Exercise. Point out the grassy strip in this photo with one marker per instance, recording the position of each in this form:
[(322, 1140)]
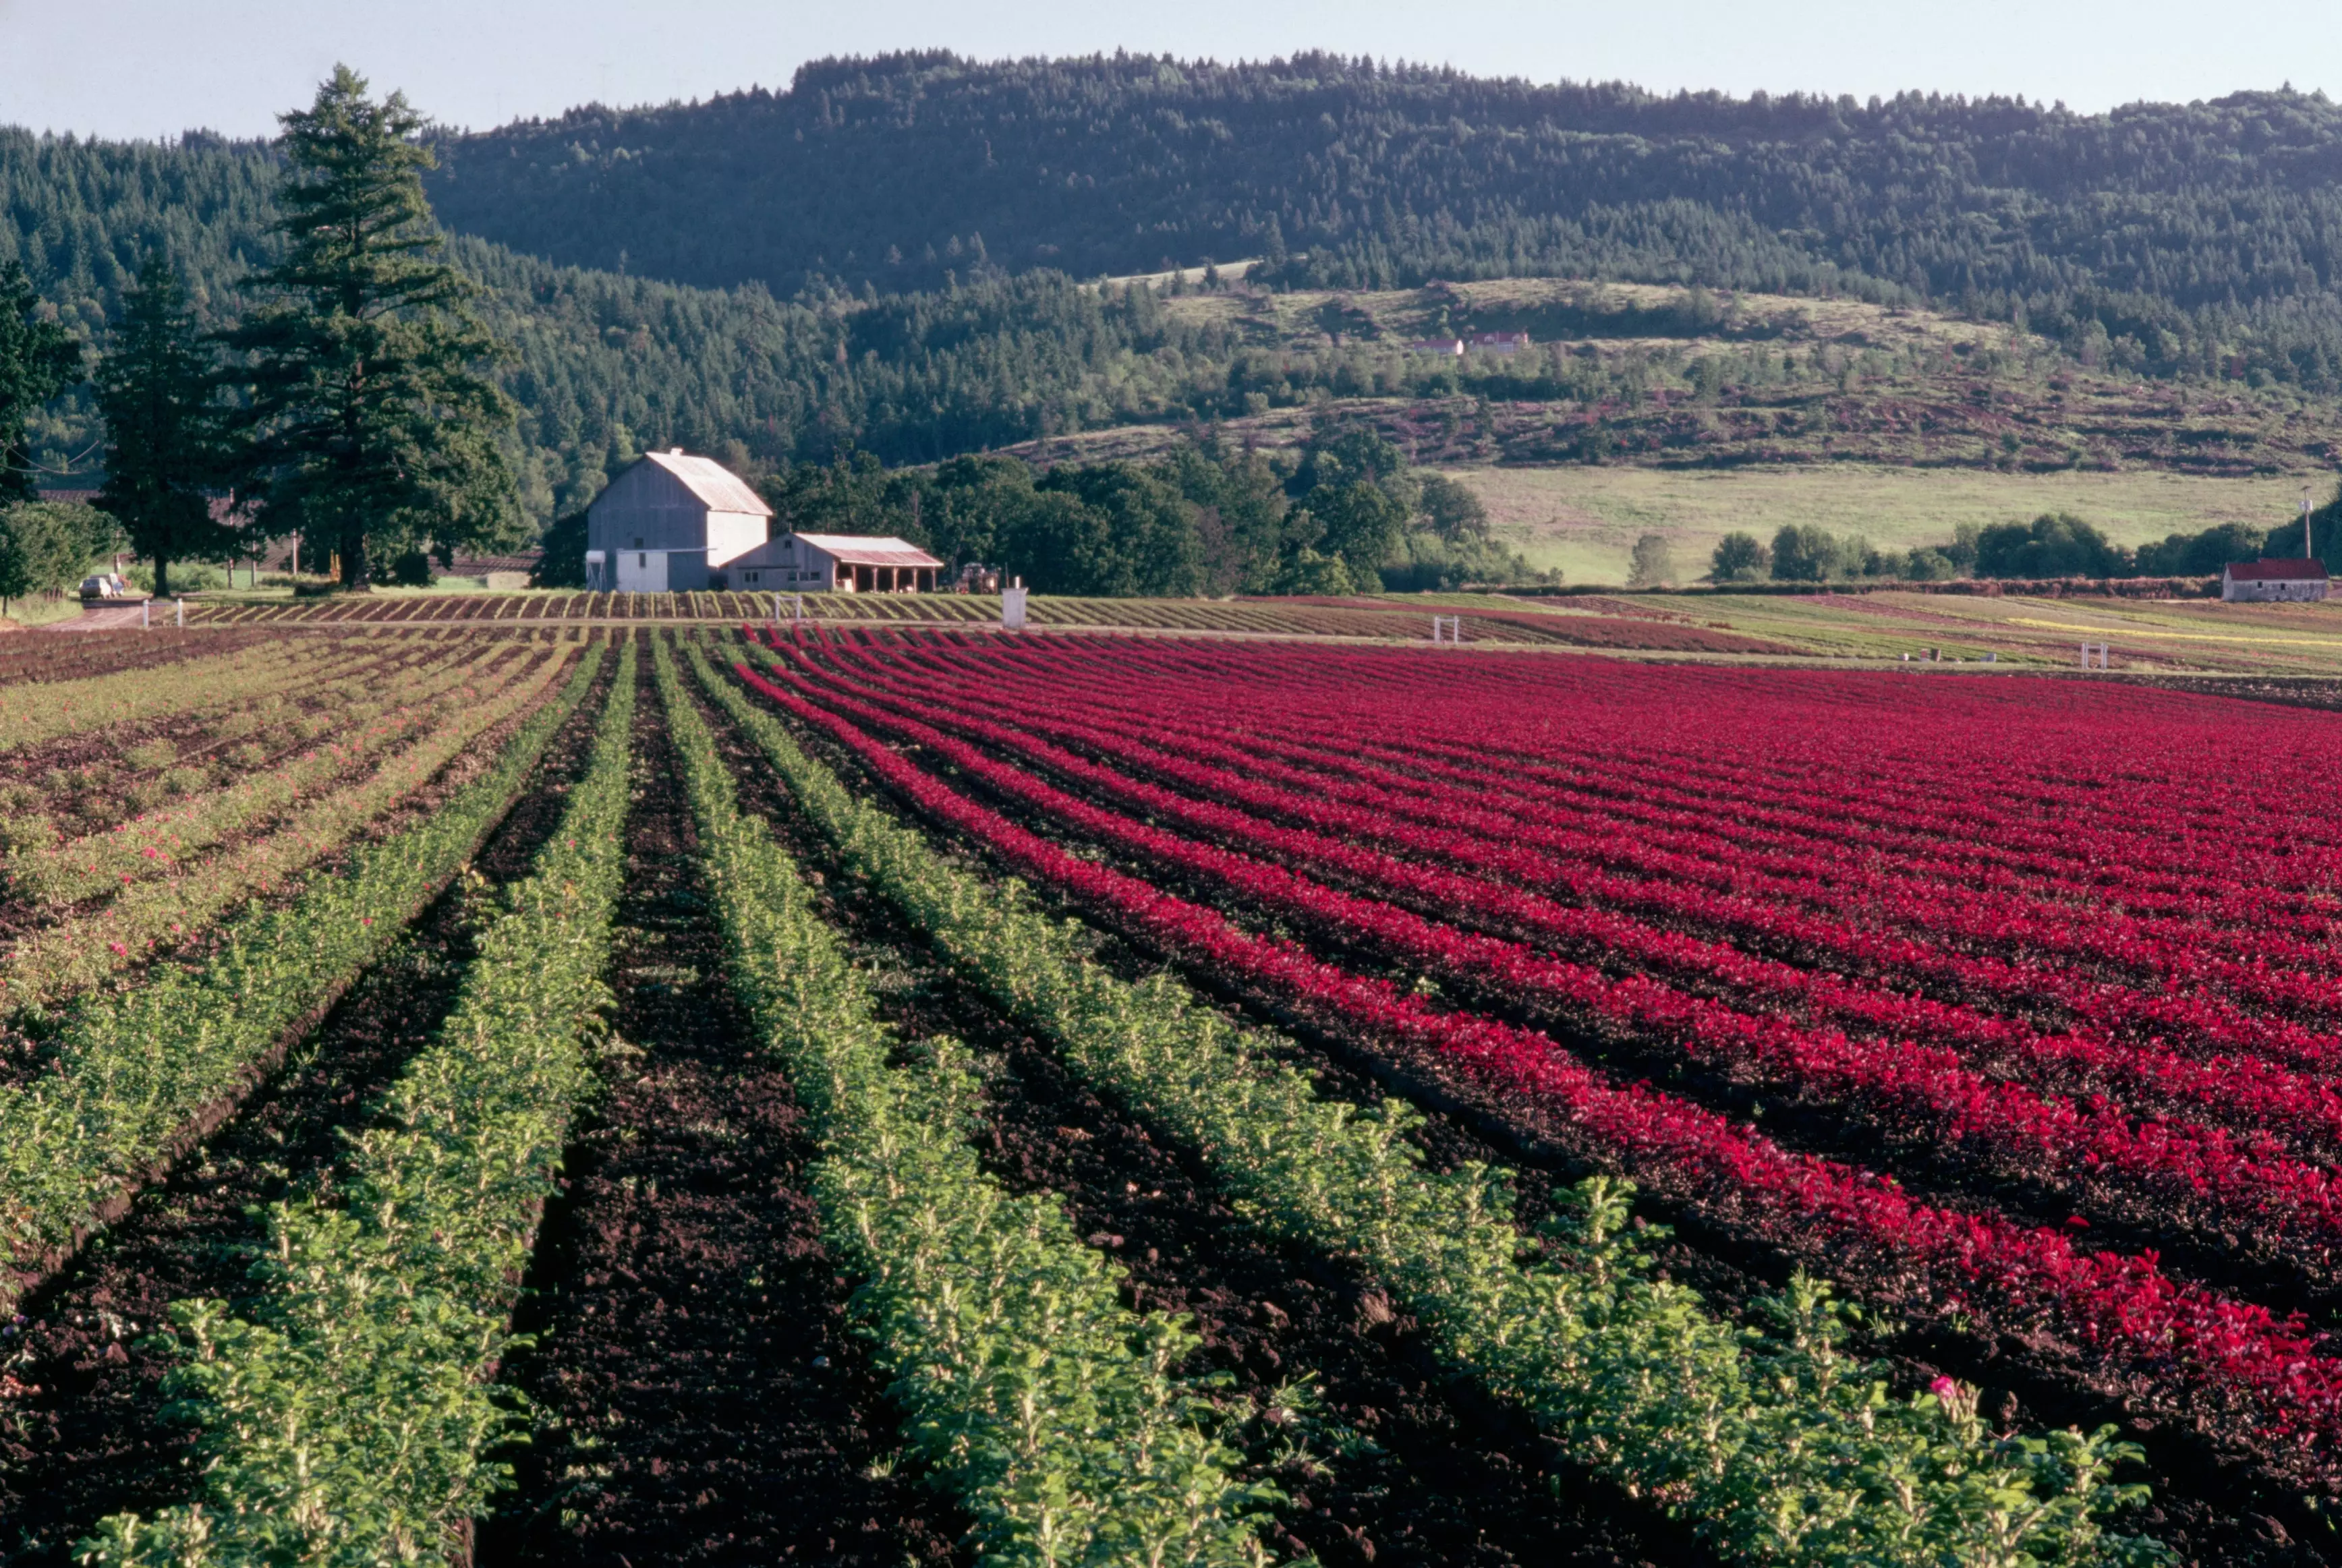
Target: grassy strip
[(350, 1419), (157, 843), (56, 961), (1779, 1449), (1047, 1406), (133, 1071), (32, 714)]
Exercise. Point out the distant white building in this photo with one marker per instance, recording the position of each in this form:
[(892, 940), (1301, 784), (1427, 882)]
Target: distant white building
[(2264, 580), (671, 523), (835, 564)]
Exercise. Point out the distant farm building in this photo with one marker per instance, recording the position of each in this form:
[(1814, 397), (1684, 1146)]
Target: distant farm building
[(2264, 580), (671, 523), (835, 564), (1448, 346), (1497, 341)]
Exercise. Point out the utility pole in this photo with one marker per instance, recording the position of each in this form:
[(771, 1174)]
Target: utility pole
[(2306, 552)]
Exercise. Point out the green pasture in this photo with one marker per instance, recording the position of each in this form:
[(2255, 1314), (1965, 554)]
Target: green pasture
[(1585, 520)]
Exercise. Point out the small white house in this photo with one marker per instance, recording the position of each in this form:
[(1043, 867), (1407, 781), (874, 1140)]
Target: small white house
[(2265, 580), (835, 564), (671, 523)]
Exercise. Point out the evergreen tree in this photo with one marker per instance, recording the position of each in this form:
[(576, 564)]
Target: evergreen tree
[(38, 359), (371, 425), (163, 457)]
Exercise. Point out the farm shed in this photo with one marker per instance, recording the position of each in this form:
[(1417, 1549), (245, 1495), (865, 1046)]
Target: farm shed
[(835, 564), (2263, 580), (671, 523)]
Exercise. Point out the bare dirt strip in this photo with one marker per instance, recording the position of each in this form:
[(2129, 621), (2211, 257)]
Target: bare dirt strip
[(707, 1400)]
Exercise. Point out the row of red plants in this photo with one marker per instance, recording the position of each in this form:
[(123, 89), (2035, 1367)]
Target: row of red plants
[(2224, 1351)]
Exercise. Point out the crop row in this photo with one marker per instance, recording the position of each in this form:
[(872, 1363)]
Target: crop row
[(1050, 1410), (348, 1411), (148, 917), (2220, 1352), (1779, 1452), (32, 714), (2297, 1204), (133, 1077)]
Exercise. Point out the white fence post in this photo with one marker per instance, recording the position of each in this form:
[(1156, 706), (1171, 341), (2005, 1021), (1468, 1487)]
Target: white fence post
[(179, 608), (1012, 607), (145, 613)]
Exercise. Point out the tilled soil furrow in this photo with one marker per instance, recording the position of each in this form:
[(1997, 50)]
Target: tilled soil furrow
[(709, 1401), (1408, 1465), (82, 1433)]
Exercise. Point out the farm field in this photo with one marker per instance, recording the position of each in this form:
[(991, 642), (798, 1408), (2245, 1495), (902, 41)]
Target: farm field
[(898, 1095)]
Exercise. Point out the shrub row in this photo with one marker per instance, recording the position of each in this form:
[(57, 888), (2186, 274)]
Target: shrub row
[(349, 1418), (1047, 1406), (1779, 1449), (131, 1074)]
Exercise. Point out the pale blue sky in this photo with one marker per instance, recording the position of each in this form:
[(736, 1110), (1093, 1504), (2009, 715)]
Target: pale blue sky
[(154, 68)]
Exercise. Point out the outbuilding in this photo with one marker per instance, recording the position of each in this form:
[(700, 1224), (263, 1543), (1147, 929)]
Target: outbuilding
[(835, 564), (672, 524), (2267, 580)]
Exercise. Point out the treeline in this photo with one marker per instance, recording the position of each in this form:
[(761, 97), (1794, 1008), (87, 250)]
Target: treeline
[(2054, 544), (2170, 239), (1343, 513)]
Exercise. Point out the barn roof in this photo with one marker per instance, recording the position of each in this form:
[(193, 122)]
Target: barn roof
[(2277, 571), (717, 487), (855, 550)]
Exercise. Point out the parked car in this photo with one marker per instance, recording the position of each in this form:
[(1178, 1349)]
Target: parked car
[(104, 585)]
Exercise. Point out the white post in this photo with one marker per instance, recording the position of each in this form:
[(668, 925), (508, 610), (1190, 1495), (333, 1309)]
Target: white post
[(1012, 607), (145, 613), (797, 608), (179, 609)]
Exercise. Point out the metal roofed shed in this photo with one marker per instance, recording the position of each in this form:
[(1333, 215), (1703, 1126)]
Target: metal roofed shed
[(835, 564), (2262, 581), (672, 523)]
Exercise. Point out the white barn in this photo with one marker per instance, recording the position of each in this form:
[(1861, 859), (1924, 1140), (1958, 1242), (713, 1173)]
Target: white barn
[(835, 564), (671, 523), (2265, 580)]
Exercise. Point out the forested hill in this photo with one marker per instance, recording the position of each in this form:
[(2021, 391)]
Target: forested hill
[(2193, 231)]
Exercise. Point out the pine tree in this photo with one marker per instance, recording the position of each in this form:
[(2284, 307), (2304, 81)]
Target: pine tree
[(371, 425), (163, 453), (38, 359)]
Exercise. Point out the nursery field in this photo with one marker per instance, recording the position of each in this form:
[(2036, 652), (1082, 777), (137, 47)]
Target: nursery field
[(737, 1094)]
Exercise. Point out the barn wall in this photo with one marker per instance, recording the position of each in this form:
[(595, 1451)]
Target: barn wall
[(647, 504)]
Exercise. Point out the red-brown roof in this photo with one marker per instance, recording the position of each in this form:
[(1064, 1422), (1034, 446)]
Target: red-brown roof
[(2277, 571)]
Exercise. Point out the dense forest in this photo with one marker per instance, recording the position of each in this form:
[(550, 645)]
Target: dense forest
[(888, 258), (2201, 238)]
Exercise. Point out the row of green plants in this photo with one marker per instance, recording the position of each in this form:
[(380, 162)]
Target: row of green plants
[(1774, 1444), (1049, 1410), (365, 725), (58, 961), (351, 1416), (129, 1072), (43, 711)]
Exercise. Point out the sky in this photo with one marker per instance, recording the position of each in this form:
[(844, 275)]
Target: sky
[(154, 68)]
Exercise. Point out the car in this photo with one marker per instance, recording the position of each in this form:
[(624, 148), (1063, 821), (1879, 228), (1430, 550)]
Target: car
[(104, 585)]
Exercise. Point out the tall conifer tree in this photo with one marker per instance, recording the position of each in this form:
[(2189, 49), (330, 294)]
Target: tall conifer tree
[(38, 359), (162, 432), (372, 425)]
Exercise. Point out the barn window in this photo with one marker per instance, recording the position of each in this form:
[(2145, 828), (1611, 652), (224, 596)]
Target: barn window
[(642, 560)]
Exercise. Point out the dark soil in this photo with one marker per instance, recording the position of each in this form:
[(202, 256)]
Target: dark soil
[(1411, 1466), (82, 1431), (708, 1400), (2214, 1502), (74, 657)]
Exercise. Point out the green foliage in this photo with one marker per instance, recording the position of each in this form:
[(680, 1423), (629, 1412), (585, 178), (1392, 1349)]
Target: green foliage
[(1652, 563), (38, 359), (347, 1417), (563, 562), (47, 544), (2196, 555), (131, 1069), (1049, 1408), (2054, 544), (164, 448), (412, 570), (1805, 553), (369, 422), (1774, 1448), (1740, 558)]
